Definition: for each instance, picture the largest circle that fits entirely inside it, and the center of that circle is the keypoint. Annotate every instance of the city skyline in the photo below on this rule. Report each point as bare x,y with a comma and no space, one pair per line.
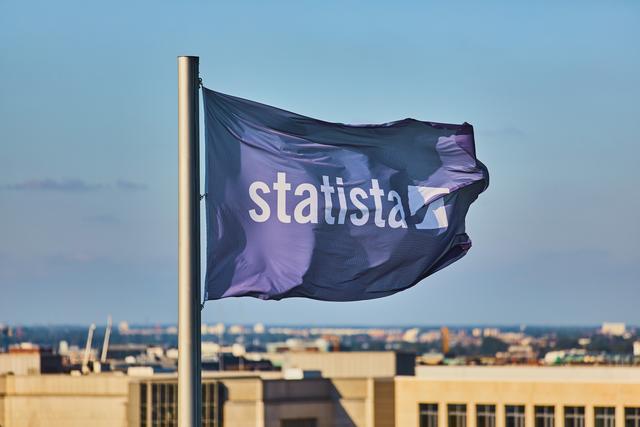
88,163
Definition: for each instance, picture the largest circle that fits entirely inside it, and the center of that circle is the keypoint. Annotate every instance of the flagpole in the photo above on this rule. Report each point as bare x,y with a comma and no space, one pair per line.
189,362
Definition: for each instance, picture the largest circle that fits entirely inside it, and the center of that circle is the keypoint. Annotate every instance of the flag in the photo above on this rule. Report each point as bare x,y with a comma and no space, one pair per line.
299,207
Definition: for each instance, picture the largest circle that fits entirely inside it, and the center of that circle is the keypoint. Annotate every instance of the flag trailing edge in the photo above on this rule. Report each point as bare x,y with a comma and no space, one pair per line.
299,207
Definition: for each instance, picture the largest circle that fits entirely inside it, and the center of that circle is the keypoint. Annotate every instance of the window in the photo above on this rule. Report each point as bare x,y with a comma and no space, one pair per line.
428,414
159,404
574,416
457,415
143,405
163,404
211,404
486,415
545,416
631,417
605,416
299,422
515,416
154,404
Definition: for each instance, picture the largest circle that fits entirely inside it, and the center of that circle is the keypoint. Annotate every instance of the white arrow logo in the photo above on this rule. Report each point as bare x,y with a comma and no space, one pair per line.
436,215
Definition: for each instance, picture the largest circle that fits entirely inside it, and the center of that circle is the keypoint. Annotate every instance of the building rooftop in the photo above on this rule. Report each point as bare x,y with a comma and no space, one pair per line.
587,374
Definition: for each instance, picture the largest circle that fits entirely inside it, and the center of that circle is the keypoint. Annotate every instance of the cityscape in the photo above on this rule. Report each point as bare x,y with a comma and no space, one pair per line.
122,347
309,376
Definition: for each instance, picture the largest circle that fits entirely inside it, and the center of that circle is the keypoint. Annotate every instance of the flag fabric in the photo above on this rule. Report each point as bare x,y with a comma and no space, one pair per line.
299,207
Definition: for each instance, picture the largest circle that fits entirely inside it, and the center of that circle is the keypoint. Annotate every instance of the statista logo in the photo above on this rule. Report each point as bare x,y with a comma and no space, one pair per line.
388,210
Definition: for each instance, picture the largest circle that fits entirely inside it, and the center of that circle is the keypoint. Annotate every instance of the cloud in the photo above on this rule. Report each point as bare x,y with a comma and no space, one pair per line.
123,184
72,185
48,184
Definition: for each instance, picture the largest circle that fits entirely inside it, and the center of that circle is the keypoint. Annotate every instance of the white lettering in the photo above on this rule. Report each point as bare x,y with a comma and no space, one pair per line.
341,200
395,210
307,204
310,202
327,190
364,210
377,194
282,186
262,204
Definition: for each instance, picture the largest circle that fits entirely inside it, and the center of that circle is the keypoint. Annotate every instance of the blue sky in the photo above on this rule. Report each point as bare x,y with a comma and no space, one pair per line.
88,177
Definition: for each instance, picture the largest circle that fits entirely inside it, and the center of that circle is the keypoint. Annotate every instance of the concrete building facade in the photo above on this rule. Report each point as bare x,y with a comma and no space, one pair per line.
23,363
63,400
438,396
268,401
344,364
517,396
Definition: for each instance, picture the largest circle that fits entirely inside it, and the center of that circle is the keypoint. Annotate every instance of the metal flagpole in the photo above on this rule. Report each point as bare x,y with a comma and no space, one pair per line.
189,362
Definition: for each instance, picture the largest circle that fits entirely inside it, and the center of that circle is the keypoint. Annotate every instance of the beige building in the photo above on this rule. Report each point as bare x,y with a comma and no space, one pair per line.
519,396
437,396
268,401
229,399
63,400
20,363
345,364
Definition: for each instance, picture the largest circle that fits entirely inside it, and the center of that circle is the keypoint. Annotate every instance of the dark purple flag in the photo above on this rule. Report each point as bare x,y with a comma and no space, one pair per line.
298,207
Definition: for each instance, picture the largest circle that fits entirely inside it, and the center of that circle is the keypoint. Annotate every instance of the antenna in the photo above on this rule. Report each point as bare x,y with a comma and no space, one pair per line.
87,349
105,344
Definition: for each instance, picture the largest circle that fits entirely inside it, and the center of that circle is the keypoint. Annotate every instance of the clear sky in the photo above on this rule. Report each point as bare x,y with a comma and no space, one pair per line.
88,147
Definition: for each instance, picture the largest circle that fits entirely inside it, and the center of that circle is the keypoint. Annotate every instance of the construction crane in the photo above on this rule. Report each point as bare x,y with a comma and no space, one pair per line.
87,349
105,343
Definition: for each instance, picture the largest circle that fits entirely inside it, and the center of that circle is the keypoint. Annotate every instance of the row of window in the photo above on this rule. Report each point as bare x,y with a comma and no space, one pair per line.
574,416
158,404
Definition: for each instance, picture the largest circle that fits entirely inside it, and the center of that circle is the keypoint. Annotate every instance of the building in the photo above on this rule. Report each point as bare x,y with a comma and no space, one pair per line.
518,396
229,399
20,363
344,364
617,329
437,396
267,401
64,400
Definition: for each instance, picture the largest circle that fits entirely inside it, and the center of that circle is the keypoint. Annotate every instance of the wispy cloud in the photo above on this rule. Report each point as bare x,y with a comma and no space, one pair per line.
73,185
123,184
48,184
